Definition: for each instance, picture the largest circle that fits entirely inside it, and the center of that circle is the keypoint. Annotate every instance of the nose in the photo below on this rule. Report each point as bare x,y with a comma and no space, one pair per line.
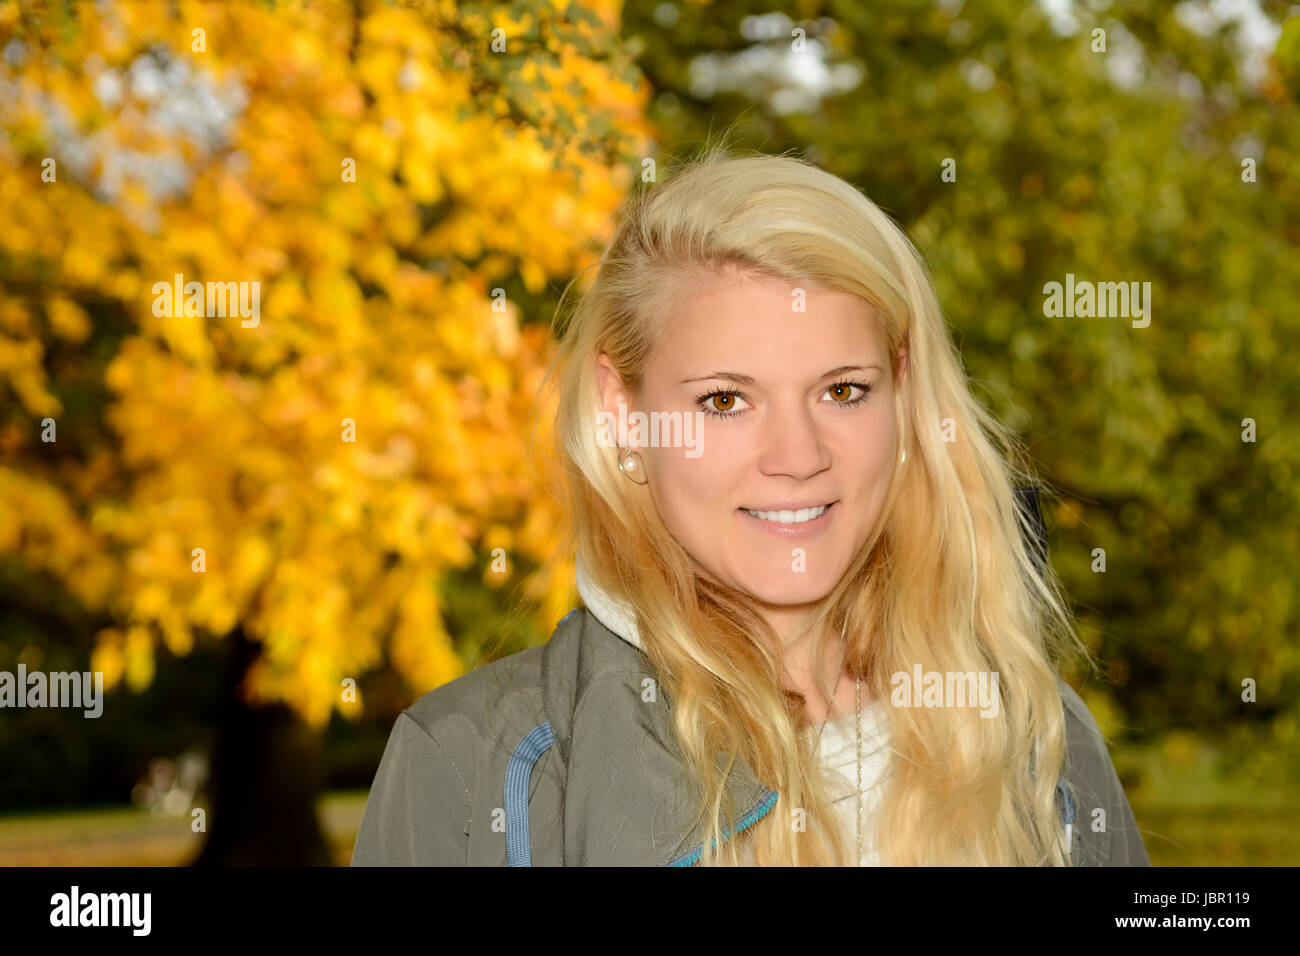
791,445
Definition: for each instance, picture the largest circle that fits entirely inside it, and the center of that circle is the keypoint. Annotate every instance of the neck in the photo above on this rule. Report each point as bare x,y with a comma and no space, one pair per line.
792,624
794,629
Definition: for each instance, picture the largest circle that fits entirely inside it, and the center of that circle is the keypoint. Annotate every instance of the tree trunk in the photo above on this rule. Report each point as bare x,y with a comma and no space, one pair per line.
267,773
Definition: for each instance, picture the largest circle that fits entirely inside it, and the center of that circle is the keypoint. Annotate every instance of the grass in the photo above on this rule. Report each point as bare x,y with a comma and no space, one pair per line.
131,837
1193,813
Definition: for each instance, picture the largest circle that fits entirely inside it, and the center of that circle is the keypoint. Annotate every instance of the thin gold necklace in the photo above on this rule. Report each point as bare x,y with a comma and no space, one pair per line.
858,683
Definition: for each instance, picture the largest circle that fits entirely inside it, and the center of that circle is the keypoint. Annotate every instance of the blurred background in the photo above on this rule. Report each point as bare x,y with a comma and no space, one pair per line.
272,530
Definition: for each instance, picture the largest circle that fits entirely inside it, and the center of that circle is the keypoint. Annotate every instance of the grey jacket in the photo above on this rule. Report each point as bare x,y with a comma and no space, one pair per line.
563,755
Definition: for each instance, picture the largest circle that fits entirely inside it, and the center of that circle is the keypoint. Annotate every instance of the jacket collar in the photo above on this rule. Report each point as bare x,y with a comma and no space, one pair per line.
628,796
609,609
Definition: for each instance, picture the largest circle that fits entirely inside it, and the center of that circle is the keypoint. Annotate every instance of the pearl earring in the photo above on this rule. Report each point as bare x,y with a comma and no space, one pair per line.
630,464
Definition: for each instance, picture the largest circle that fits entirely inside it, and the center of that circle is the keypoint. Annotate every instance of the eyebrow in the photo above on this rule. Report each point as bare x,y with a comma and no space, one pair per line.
748,380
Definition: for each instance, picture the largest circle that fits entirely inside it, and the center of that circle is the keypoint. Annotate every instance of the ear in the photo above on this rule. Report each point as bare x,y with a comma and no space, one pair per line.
612,392
900,366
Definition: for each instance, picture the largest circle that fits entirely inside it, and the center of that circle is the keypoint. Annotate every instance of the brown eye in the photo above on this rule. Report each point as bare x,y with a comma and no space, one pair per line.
722,404
842,393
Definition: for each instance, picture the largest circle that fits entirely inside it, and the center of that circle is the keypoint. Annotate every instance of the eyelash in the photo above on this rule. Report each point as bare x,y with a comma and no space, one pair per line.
702,400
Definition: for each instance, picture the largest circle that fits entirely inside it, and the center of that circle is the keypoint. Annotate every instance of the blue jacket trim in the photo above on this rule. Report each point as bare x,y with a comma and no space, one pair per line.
1067,814
518,773
753,816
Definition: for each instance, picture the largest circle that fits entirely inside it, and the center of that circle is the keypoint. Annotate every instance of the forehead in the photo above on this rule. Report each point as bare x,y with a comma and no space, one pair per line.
770,324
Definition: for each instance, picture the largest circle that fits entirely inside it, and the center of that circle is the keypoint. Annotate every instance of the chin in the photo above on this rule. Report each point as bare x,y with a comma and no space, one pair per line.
788,590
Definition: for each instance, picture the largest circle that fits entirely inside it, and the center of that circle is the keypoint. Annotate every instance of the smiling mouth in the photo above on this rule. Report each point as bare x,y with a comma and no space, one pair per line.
790,517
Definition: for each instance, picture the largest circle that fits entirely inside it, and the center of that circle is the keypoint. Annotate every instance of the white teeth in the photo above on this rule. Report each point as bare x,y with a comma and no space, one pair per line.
790,517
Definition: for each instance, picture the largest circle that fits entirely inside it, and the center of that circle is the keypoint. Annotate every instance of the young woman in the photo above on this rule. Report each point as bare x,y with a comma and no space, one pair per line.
816,631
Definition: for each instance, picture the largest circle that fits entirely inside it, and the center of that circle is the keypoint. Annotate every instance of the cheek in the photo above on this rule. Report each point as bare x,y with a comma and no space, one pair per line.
869,459
877,453
695,497
686,490
867,447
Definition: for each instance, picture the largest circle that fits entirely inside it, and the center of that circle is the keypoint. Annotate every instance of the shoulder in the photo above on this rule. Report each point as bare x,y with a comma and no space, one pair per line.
1088,758
479,718
498,703
447,753
501,684
1106,831
1080,724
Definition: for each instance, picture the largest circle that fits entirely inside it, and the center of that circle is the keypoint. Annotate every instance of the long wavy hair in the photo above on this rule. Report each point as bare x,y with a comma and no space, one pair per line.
946,577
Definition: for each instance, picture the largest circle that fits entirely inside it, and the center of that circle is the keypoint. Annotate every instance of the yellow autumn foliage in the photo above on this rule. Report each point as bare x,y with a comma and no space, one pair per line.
312,467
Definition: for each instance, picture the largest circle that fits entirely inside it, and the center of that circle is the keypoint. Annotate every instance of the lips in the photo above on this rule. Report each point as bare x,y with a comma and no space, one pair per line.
806,521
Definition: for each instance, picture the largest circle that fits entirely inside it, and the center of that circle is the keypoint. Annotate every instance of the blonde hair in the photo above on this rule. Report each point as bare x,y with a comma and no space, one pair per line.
945,579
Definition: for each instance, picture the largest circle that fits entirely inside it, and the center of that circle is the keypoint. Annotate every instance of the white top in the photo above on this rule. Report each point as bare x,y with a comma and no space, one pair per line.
839,754
839,761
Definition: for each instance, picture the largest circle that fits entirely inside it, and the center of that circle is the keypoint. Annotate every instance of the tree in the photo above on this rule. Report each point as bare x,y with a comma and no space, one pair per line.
261,339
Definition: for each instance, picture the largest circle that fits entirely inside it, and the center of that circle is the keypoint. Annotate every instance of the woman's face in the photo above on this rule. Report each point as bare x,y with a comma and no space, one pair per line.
797,439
